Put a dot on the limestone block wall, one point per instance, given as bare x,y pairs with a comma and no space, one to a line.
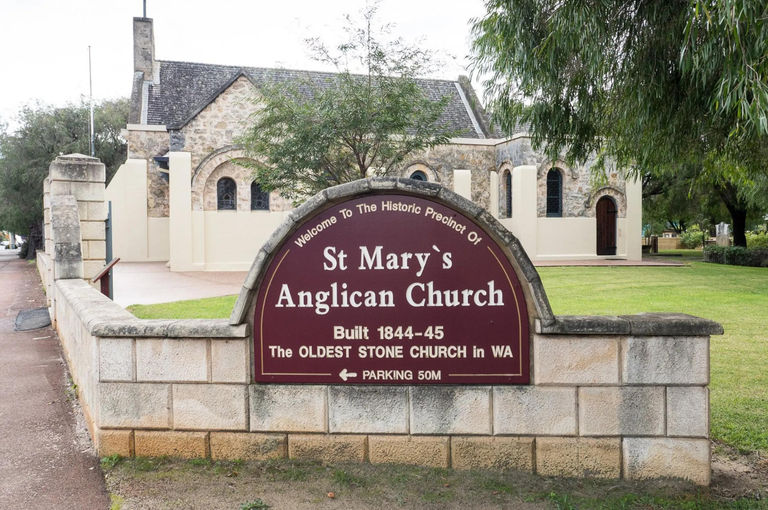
610,398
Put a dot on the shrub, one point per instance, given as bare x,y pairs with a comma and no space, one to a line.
23,247
736,255
692,237
757,240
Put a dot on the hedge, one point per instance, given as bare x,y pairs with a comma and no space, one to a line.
736,256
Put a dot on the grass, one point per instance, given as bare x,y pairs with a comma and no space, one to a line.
737,297
395,486
208,308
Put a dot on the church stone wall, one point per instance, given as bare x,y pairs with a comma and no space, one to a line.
219,123
444,159
580,193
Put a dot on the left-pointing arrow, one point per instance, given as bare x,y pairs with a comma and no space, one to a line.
344,374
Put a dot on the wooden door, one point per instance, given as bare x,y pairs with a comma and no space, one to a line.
606,226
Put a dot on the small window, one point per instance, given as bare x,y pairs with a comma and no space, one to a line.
418,175
226,194
259,198
508,193
554,193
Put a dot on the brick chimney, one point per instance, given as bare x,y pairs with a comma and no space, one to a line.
144,48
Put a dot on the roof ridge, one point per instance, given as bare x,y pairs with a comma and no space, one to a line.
328,73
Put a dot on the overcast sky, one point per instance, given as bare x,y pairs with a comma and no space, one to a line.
44,43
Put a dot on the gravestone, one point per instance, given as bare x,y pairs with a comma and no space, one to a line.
723,234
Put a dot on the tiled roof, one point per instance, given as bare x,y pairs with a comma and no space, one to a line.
185,88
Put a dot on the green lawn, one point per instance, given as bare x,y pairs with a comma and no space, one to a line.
737,297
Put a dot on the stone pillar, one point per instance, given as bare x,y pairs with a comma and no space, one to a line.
524,208
180,211
82,178
493,186
462,183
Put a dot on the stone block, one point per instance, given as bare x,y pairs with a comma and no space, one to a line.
287,408
134,405
247,446
450,410
688,411
87,191
580,360
114,442
628,410
96,250
368,409
92,230
493,453
116,359
665,360
82,210
176,359
96,211
60,188
77,167
578,457
229,361
330,449
154,443
210,406
532,410
92,267
430,451
663,457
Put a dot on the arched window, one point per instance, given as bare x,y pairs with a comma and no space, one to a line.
508,193
418,175
554,193
226,194
259,198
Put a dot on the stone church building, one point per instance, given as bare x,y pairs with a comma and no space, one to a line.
180,197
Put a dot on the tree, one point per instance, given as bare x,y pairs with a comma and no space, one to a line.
44,132
321,133
656,86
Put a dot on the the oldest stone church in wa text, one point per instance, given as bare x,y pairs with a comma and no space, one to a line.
180,197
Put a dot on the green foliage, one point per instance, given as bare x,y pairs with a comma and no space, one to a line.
315,134
757,240
348,479
657,87
737,255
256,504
111,461
45,132
693,237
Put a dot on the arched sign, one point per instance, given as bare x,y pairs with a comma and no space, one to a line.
390,289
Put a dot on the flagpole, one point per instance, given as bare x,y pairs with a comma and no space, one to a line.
90,93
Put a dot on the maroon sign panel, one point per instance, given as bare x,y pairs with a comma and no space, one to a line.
391,289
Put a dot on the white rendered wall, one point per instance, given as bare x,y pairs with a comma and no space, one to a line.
180,208
523,220
128,193
462,183
233,238
634,221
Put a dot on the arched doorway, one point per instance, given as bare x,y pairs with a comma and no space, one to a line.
606,226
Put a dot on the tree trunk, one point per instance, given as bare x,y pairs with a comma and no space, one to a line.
739,217
738,210
34,240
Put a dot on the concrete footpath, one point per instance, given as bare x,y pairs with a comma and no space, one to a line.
46,456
